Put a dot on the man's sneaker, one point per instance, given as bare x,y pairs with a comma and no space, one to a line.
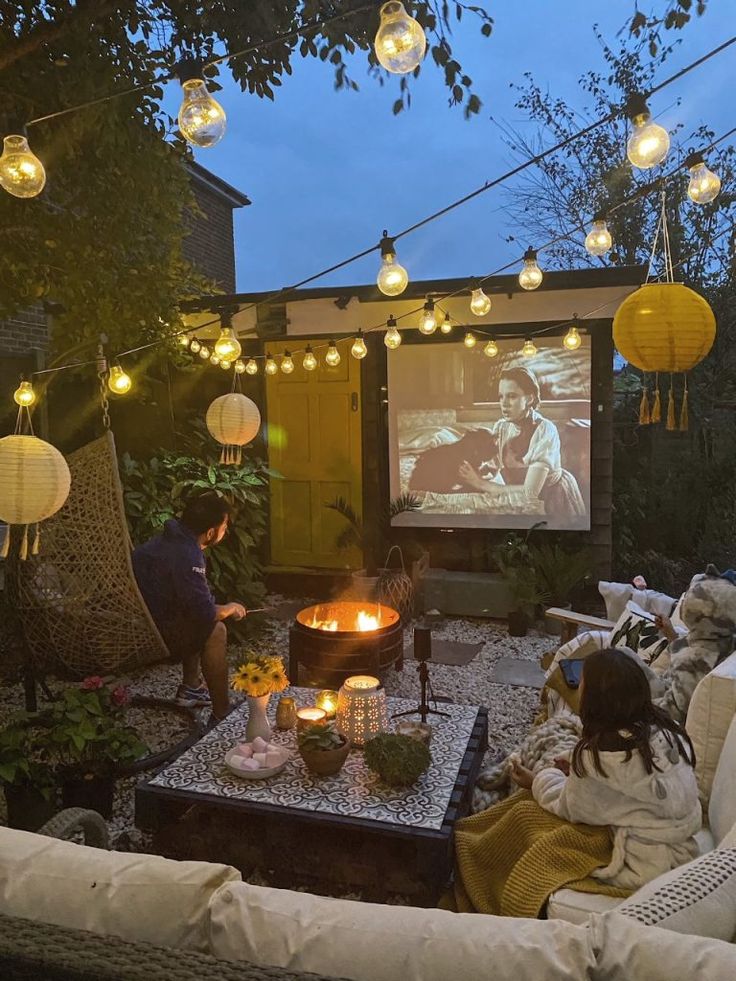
192,697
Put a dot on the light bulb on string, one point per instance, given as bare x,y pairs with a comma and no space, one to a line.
598,240
183,340
239,366
529,348
359,350
194,345
310,361
392,337
251,366
531,275
202,119
649,143
204,352
21,172
287,363
392,278
572,339
226,365
118,381
332,358
227,345
428,320
271,368
446,327
490,349
470,340
214,359
400,42
704,185
24,394
480,303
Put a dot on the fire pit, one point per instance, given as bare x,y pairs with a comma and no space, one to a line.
337,639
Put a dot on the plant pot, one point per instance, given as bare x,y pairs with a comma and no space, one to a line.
258,724
518,623
554,627
364,587
89,790
27,808
325,762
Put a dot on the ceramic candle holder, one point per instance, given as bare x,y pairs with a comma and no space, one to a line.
309,716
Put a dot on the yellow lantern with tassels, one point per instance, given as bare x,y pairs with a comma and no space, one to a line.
233,420
34,484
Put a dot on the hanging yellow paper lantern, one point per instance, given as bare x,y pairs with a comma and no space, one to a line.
233,420
664,327
34,484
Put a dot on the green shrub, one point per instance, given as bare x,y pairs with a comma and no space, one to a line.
398,760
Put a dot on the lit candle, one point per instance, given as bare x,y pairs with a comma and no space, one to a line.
362,683
310,716
327,700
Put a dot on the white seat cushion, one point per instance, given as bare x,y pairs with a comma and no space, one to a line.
577,907
136,897
705,841
711,710
722,806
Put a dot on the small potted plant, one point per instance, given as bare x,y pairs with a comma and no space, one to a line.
399,760
514,560
323,748
559,573
29,783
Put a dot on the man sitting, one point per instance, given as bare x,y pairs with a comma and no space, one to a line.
171,574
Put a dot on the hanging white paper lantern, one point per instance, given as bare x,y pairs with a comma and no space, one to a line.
34,484
233,420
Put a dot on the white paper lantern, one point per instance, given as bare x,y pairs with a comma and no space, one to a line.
34,484
233,420
361,709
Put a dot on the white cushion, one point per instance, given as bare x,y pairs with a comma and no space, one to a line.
711,710
722,807
627,951
136,897
729,841
616,595
636,629
697,898
367,942
576,907
705,841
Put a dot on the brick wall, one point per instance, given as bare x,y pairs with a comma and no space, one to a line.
26,331
209,245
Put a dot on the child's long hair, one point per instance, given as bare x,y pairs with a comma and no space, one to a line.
615,696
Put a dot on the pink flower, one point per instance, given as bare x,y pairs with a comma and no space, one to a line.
120,695
93,683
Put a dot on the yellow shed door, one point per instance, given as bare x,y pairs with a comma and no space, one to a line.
314,443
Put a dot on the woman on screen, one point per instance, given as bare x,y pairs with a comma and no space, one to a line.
528,450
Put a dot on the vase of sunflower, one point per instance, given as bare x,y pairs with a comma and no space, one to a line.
259,676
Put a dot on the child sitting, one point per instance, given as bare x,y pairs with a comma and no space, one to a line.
632,770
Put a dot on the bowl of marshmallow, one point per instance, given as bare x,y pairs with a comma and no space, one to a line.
256,760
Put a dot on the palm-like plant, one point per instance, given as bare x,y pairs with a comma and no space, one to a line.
371,538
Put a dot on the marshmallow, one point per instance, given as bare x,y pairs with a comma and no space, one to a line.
244,750
240,763
274,758
259,745
260,758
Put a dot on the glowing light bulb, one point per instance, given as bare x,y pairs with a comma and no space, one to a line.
332,358
310,362
572,339
531,275
204,352
428,320
649,143
239,367
491,349
392,278
251,366
400,42
183,340
529,349
194,345
598,240
202,119
227,345
704,185
21,172
118,382
226,365
24,394
446,327
271,368
392,337
480,304
287,363
214,359
359,350
470,340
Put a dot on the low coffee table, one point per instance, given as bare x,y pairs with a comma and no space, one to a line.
347,831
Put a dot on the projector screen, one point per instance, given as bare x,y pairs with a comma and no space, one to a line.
484,442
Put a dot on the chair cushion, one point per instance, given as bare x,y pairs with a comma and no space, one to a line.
635,629
135,897
711,710
368,942
722,806
576,907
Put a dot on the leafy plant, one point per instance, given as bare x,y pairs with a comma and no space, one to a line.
558,571
372,538
320,737
398,760
21,757
514,559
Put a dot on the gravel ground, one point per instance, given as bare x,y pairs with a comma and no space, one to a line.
511,709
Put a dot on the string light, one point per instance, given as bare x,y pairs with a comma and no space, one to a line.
598,240
704,186
118,381
649,143
240,366
21,172
572,339
491,349
251,366
470,340
227,345
529,349
204,352
194,346
332,358
400,42
480,304
183,340
446,327
214,359
24,394
392,278
531,275
202,119
359,350
392,337
428,320
287,363
310,362
271,368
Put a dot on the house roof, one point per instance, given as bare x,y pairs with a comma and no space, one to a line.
230,194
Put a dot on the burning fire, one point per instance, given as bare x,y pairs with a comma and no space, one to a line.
364,622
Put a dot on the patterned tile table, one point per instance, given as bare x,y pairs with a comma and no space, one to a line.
347,827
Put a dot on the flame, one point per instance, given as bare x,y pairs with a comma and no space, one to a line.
364,622
367,622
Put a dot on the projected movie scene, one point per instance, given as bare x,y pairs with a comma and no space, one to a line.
498,442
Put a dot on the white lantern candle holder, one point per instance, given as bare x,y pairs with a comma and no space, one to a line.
361,709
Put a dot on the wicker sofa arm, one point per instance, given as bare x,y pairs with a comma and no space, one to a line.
72,820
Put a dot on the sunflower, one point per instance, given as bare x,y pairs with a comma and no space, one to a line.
277,678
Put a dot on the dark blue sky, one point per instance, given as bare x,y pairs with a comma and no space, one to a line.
327,170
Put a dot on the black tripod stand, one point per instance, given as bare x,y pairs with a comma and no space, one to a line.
422,654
